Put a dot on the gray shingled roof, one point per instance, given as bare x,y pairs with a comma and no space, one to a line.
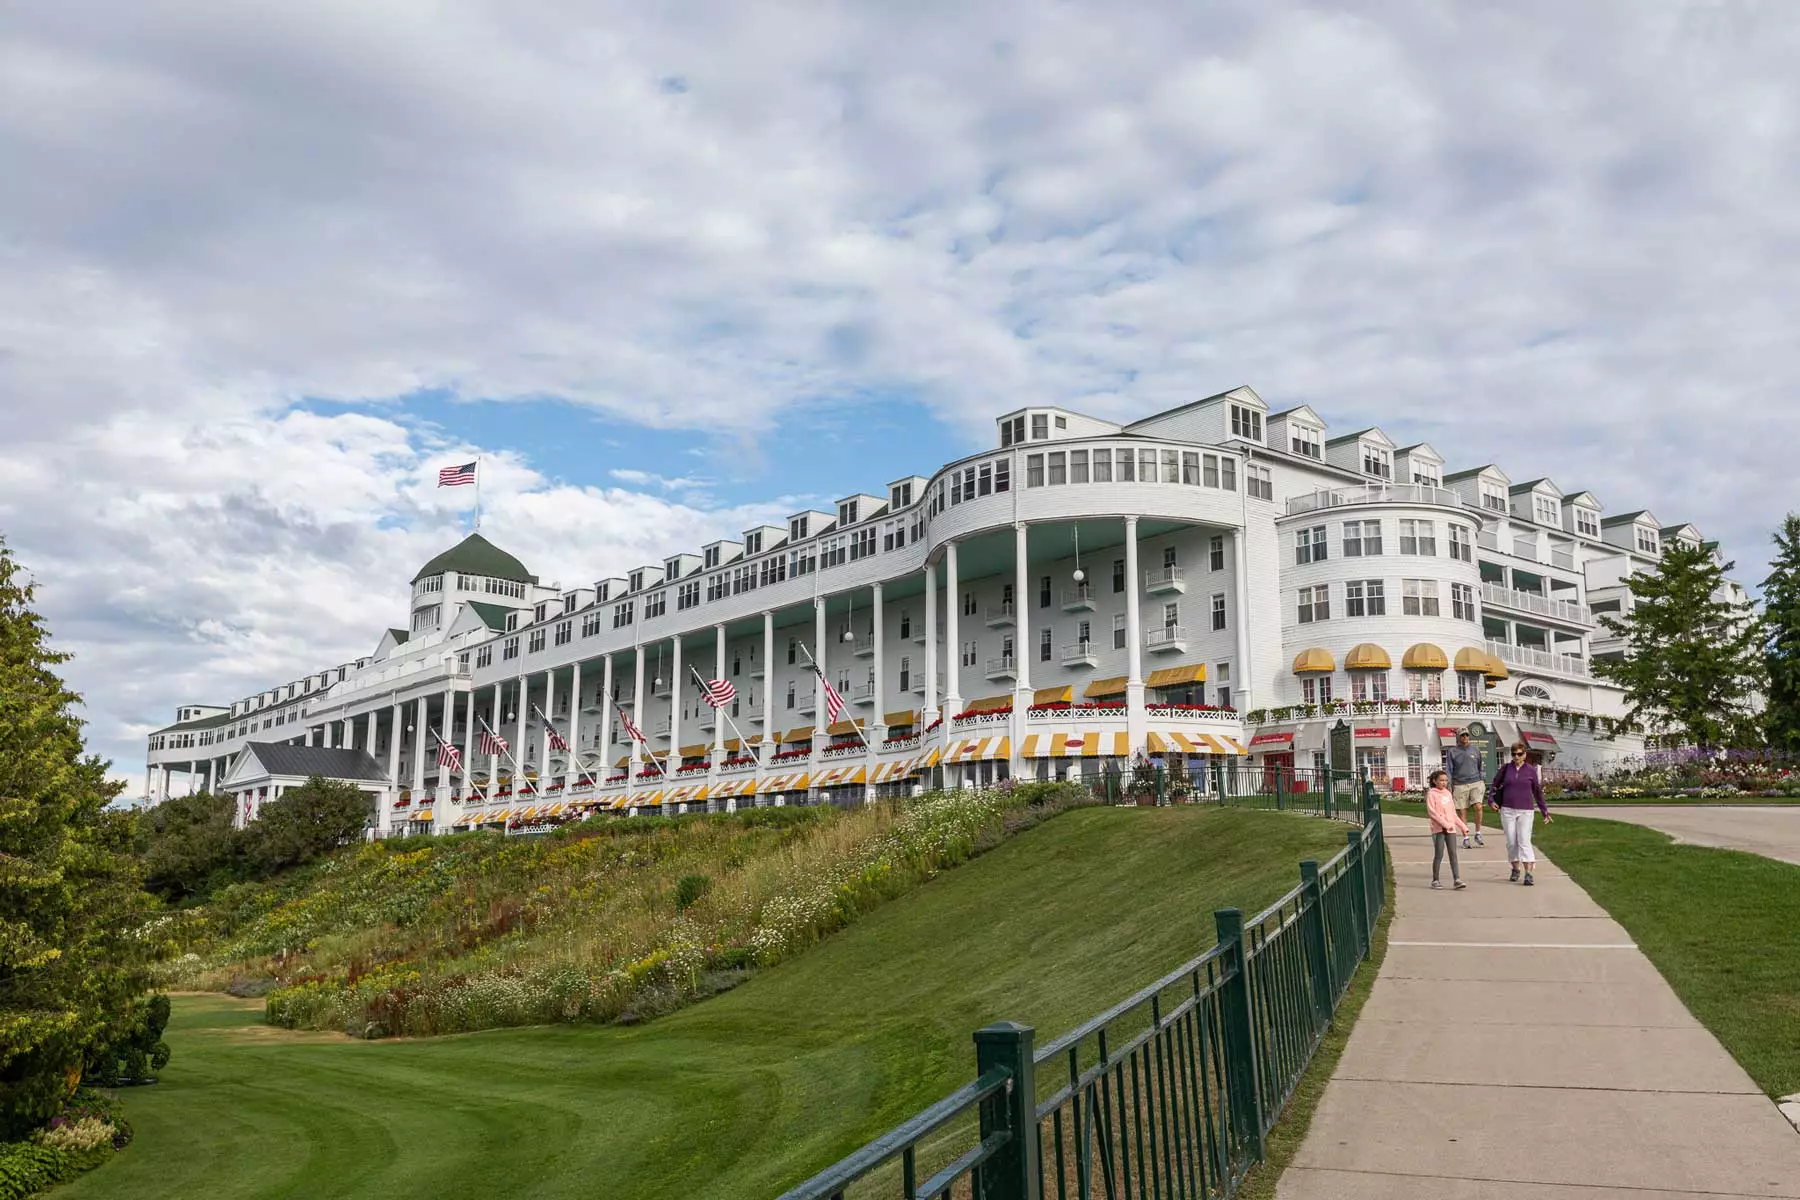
279,758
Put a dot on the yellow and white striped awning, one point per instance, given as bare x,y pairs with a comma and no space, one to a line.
1115,744
685,792
737,787
929,761
983,749
841,776
891,772
1170,741
424,814
790,782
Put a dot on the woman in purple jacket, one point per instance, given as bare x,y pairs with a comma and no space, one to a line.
1514,792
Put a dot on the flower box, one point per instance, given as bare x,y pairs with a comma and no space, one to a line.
692,768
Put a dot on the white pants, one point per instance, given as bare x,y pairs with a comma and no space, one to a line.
1517,823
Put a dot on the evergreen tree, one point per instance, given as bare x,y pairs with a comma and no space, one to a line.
189,846
73,945
1693,664
1781,638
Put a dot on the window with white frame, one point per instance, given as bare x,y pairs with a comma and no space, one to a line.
1462,543
623,612
1215,552
1311,545
1378,461
1058,465
968,654
1587,522
1419,597
1365,598
1246,423
1462,602
1034,470
753,542
1118,631
1418,537
535,643
1415,766
1547,512
968,606
848,511
1044,644
565,632
710,556
1147,466
655,604
1259,482
1374,760
1369,686
1647,541
1304,439
1172,614
799,528
1362,539
1218,610
1102,466
1315,604
862,543
484,655
1316,689
1040,426
1470,686
509,649
1426,476
1493,496
1012,430
1078,466
1124,470
1424,685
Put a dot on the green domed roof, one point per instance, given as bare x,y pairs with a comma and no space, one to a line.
475,555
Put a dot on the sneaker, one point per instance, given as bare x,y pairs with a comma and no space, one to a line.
1514,877
1459,885
1436,886
1478,840
1528,879
1465,843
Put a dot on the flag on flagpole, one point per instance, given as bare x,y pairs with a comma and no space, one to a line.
491,743
834,703
448,756
457,476
631,730
557,741
718,692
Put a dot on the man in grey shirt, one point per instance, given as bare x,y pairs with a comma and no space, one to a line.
1468,782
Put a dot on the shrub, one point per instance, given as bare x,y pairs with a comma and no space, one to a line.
27,1168
689,889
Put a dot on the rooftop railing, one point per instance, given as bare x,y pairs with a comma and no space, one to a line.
1374,493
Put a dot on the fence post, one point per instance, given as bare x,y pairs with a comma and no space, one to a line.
1330,787
1280,798
1318,956
1218,773
1360,880
1243,1096
1012,1174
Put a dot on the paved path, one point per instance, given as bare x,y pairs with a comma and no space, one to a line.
1770,830
1517,1045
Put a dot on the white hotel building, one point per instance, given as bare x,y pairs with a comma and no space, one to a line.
1214,580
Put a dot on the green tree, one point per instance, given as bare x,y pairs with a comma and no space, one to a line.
74,951
305,822
189,846
1781,638
1693,664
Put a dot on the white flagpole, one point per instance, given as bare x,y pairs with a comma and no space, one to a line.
518,771
477,528
573,756
724,716
811,662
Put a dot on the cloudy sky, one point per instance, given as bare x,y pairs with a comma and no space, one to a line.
674,268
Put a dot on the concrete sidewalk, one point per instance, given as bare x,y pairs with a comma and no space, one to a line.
1770,830
1517,1044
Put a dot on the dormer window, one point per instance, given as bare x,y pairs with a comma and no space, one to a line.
1546,510
1587,522
1012,430
798,529
1246,423
847,511
1377,461
1040,426
512,621
1646,541
603,592
900,495
1493,496
1426,477
711,554
637,580
753,542
1303,439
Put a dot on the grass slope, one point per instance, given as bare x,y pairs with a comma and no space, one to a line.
1720,925
737,1097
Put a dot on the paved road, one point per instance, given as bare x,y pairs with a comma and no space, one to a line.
1761,829
1518,1046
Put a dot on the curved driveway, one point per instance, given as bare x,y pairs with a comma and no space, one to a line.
1770,830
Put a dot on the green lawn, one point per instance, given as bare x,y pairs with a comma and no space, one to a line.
1722,926
740,1096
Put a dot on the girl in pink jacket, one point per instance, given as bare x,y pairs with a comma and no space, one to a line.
1446,824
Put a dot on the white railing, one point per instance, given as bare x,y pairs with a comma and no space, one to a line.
1078,652
1000,614
1488,541
1374,493
1078,597
864,694
1562,558
1526,548
1167,636
1006,664
1542,660
1164,577
1532,602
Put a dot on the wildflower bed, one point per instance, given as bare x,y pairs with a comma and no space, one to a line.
608,921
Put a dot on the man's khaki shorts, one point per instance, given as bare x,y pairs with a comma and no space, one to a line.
1468,794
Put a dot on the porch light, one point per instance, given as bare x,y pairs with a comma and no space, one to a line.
1079,575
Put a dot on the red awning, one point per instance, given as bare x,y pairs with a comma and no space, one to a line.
1449,732
1273,739
1370,733
1537,737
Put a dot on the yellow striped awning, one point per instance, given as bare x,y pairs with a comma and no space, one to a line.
888,771
1054,695
791,782
1184,742
989,704
424,814
1115,744
800,733
1100,689
841,776
1174,676
738,787
930,760
985,749
528,812
847,725
678,794
1315,660
904,717
696,750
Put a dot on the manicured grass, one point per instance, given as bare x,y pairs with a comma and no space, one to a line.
740,1096
1722,926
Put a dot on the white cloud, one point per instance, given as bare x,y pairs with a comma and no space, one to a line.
1550,235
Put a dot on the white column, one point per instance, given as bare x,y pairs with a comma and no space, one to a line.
420,736
930,712
369,737
878,717
819,656
1021,612
952,644
1134,640
1240,686
162,793
544,733
718,755
469,749
574,767
309,735
637,719
768,730
606,717
518,746
387,815
676,683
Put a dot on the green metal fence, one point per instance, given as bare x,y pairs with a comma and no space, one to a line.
1246,785
1171,1092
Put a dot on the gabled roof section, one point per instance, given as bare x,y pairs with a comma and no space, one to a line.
475,555
492,615
1421,450
1300,412
279,758
212,722
1642,516
1488,469
1542,484
1370,434
1683,531
1243,394
1584,499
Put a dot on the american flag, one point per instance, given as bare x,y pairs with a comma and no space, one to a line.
557,741
448,756
834,703
718,692
491,743
631,730
457,476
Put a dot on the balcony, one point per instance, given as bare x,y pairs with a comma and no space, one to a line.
864,694
865,646
1078,599
1374,493
918,634
1562,558
1001,616
661,689
1488,541
757,671
1573,665
917,683
1080,654
1004,667
1170,639
1525,548
1566,611
1163,580
662,728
